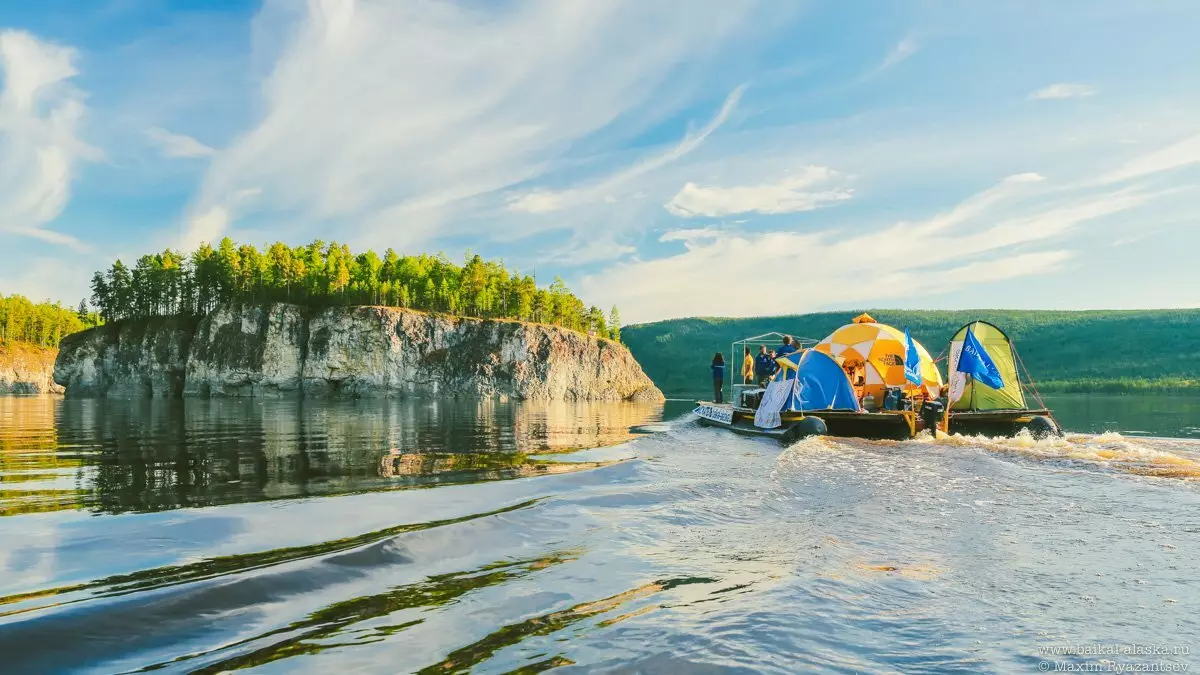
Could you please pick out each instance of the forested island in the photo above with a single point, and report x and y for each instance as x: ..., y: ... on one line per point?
x: 1065, y: 351
x: 321, y: 275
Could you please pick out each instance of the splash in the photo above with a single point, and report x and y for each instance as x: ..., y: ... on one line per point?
x: 1112, y: 451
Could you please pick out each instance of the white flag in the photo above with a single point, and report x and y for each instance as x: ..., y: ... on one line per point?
x: 958, y: 381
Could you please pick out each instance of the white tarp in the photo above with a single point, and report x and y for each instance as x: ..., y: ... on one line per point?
x: 773, y: 400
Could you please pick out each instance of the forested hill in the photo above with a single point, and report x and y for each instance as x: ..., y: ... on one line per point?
x: 1099, y: 350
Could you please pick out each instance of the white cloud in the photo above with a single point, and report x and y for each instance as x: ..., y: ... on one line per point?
x: 53, y: 279
x: 691, y: 234
x: 397, y: 116
x: 790, y: 195
x: 1062, y: 90
x: 211, y: 224
x: 903, y: 49
x: 178, y: 145
x: 1177, y: 155
x: 965, y: 245
x: 544, y: 201
x: 39, y: 113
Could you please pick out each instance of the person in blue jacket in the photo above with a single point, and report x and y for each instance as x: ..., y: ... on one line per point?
x: 718, y: 376
x: 786, y: 348
x: 764, y: 366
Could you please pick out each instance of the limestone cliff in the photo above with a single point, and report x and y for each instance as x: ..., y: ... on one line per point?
x: 280, y: 349
x: 126, y: 359
x: 27, y: 369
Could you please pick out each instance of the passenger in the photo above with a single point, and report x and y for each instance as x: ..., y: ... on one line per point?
x: 718, y: 375
x: 764, y: 366
x: 786, y: 348
x: 748, y: 368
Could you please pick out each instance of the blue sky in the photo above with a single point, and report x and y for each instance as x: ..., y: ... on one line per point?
x: 706, y: 158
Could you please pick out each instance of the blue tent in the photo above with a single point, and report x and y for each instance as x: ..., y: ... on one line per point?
x: 822, y: 385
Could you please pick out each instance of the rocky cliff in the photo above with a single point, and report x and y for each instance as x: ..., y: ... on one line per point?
x: 27, y: 369
x: 280, y: 349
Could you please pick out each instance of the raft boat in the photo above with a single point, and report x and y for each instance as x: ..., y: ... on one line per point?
x: 854, y: 383
x: 812, y: 392
x: 978, y: 409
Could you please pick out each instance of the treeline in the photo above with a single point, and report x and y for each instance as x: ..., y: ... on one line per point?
x: 43, y: 324
x: 322, y: 275
x: 1164, y: 385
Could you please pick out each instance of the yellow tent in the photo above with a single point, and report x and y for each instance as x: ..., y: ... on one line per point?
x: 881, y: 350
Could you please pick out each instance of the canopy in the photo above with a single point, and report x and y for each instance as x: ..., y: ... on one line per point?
x: 977, y: 396
x: 880, y: 349
x: 821, y: 382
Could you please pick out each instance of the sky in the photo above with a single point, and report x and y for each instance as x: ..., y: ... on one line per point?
x: 713, y: 157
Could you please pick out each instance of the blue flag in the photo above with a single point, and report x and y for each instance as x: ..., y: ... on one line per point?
x: 912, y: 360
x: 974, y: 361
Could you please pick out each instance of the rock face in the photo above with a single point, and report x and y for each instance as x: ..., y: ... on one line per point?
x: 280, y: 349
x: 251, y: 350
x: 27, y: 369
x: 126, y: 359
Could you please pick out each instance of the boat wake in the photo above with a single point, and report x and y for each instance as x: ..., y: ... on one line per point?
x: 1111, y: 451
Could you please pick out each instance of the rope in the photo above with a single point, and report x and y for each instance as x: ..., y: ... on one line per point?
x: 1029, y: 380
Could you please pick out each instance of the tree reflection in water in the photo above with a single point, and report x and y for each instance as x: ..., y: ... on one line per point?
x: 115, y: 456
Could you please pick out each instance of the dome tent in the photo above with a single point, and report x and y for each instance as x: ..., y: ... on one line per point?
x: 982, y: 397
x: 880, y: 348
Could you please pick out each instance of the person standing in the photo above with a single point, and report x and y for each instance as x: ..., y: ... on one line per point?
x: 764, y: 366
x: 718, y: 376
x: 748, y: 368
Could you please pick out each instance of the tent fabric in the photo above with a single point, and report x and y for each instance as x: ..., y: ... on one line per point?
x: 881, y: 348
x: 814, y: 381
x: 975, y: 396
x: 822, y: 385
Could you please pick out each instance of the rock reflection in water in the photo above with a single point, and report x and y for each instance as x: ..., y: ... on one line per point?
x: 153, y: 455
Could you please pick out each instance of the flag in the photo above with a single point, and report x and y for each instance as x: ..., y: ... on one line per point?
x: 912, y: 360
x: 974, y: 361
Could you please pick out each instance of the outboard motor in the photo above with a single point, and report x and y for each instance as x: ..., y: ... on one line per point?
x: 932, y: 413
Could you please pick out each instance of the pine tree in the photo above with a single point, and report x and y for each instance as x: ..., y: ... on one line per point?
x: 614, y: 324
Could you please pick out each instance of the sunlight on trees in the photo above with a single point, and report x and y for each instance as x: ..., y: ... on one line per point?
x: 43, y: 324
x: 323, y: 275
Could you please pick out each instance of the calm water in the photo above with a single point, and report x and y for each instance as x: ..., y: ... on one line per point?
x: 443, y: 537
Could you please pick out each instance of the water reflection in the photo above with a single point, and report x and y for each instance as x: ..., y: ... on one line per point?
x: 153, y: 455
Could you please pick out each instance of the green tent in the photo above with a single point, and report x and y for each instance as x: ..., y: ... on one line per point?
x: 978, y: 396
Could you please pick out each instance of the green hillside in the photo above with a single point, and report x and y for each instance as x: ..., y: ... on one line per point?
x: 1102, y: 350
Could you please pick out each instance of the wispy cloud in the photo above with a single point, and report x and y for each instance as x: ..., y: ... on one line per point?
x: 39, y: 114
x: 967, y: 244
x: 901, y: 52
x: 397, y: 116
x: 1177, y: 155
x: 1062, y: 90
x: 691, y: 234
x: 543, y: 201
x: 789, y: 195
x: 178, y: 145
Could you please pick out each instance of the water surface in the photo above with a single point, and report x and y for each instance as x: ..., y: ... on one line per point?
x: 384, y: 537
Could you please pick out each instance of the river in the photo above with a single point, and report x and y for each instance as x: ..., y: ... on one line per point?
x: 386, y: 537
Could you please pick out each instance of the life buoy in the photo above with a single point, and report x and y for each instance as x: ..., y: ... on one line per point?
x: 1041, y: 427
x: 809, y: 426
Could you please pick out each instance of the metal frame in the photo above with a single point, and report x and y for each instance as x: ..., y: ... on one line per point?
x: 737, y: 350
